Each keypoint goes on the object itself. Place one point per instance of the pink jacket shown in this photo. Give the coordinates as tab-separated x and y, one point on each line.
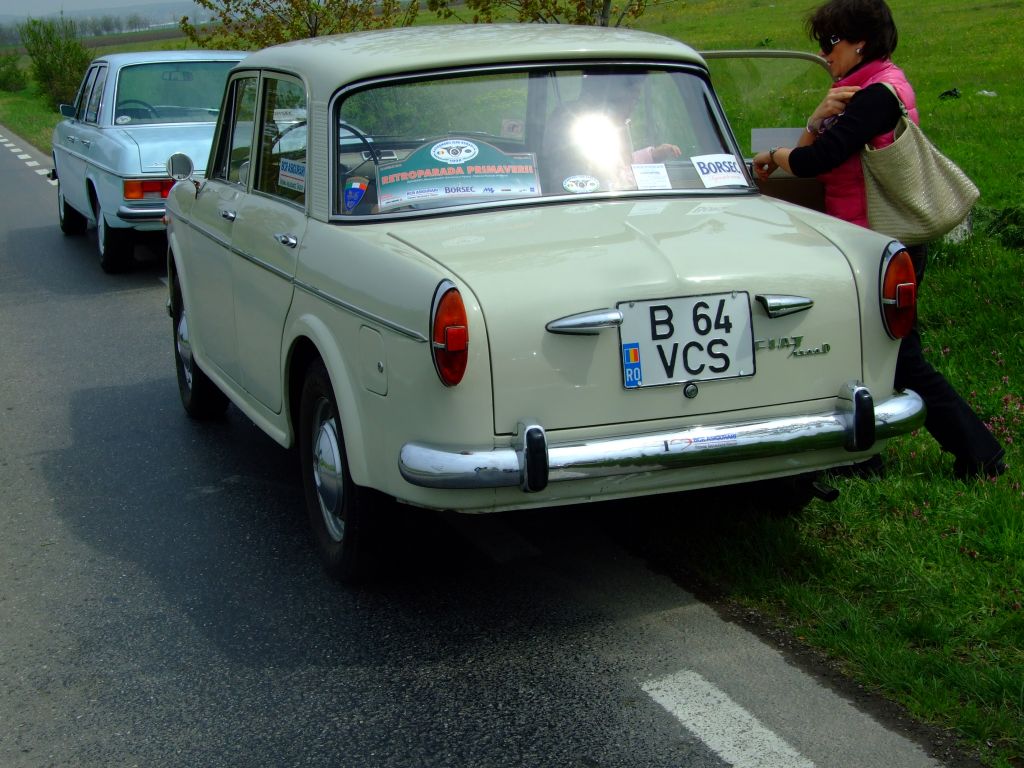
844	185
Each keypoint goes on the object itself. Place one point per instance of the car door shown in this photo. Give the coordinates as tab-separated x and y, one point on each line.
268	235
74	137
768	96
210	292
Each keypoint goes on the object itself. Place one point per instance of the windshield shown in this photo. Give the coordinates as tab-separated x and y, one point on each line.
170	92
411	145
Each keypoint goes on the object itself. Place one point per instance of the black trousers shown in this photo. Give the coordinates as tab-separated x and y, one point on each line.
950	420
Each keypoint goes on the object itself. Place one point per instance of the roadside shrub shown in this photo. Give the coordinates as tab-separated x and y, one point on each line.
11	76
58	57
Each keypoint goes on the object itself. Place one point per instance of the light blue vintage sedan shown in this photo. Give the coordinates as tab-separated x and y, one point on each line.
132	111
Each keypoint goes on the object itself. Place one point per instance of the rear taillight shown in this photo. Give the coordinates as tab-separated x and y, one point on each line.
449	335
898	290
148	189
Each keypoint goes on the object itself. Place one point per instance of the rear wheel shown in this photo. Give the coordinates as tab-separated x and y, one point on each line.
199	395
336	506
114	245
71	221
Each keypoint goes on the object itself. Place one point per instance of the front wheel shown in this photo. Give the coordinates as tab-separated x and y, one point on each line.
199	396
336	506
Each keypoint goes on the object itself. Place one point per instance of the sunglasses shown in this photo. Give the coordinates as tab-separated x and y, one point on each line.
828	45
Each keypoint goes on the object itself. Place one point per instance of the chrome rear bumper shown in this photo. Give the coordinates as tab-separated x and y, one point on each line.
854	423
128	213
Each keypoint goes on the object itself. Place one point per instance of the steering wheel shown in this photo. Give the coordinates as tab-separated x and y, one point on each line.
145	105
277	139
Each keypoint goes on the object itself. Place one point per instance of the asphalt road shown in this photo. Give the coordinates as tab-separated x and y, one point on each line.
160	604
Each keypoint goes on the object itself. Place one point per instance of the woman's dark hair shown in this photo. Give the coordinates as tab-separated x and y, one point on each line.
867	20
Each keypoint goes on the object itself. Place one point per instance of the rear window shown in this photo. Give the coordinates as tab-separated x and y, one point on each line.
170	92
412	145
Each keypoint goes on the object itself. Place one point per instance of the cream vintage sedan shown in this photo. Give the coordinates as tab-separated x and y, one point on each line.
486	268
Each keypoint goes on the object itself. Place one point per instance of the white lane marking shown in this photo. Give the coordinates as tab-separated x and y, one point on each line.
29	162
724	726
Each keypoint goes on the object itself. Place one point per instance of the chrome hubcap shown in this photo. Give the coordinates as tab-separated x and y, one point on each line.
184	347
327	471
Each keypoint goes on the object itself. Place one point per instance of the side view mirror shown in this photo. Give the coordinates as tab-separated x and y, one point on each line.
67	110
181	168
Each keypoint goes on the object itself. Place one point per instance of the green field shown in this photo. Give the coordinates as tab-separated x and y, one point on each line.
912	585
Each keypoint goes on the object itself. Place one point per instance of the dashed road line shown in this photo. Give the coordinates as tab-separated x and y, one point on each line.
729	730
27	158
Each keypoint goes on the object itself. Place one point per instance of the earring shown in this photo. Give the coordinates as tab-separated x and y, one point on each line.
858	51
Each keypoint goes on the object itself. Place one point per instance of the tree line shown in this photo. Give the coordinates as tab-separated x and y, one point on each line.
59	59
89	26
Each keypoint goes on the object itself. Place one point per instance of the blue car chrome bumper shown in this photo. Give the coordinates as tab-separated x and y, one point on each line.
854	423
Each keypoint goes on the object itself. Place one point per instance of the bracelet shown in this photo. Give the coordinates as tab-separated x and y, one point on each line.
812	129
771	154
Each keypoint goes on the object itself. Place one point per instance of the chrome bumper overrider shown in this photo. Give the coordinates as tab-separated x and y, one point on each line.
141	214
854	423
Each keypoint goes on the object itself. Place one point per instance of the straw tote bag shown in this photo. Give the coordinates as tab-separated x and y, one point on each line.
914	192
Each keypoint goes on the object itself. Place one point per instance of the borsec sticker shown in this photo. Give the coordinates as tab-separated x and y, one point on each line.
719	170
579	185
454	151
632	375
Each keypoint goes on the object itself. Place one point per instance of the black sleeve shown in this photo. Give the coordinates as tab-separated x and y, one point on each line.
871	112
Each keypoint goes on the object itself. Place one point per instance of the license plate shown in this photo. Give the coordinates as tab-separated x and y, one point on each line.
688	338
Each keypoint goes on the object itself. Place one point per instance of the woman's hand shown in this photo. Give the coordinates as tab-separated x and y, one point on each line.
833	104
764	165
664	152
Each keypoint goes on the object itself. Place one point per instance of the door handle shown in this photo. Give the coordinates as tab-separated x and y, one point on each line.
229	215
287	239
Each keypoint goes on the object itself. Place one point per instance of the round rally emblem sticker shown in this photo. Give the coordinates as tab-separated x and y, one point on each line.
580	184
454	151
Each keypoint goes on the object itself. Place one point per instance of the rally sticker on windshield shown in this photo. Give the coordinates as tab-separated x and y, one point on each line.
457	170
719	170
580	184
651	176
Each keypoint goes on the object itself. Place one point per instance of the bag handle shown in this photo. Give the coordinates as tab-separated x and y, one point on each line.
892	90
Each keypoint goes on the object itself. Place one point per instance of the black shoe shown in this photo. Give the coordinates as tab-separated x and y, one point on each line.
869	469
971	469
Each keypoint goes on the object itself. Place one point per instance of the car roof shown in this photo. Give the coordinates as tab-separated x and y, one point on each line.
149	57
326	62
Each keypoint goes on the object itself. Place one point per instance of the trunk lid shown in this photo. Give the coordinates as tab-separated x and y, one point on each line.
156	143
530	267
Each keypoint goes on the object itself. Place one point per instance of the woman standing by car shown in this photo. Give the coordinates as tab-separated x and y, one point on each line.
857	39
